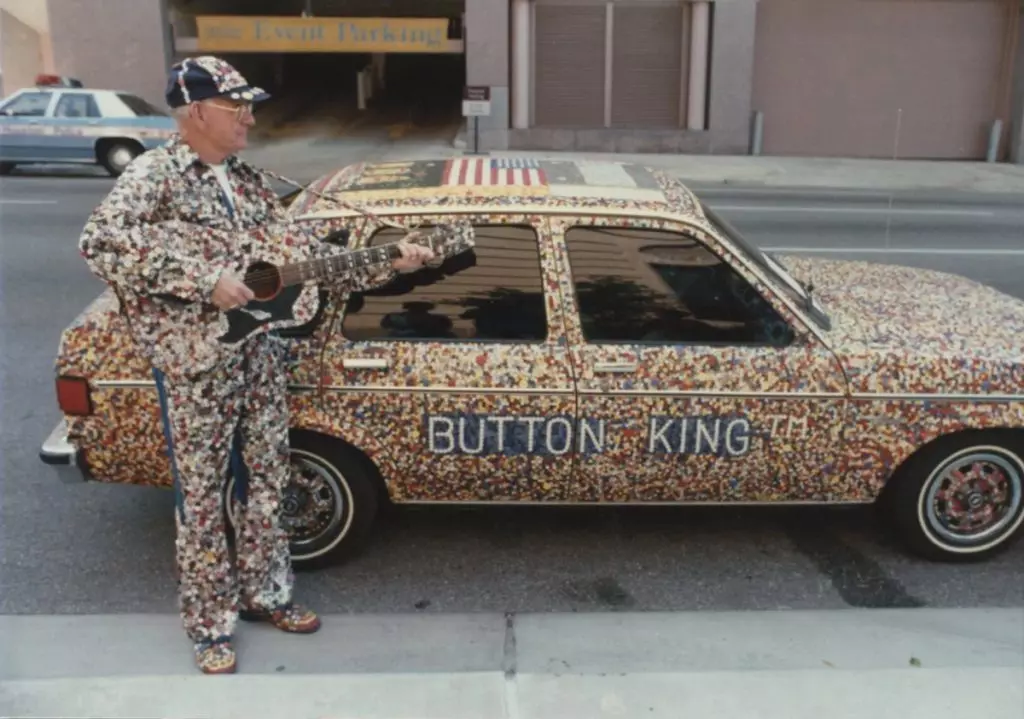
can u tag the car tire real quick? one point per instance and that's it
(330, 505)
(6, 168)
(960, 499)
(116, 155)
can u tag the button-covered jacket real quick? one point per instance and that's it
(164, 235)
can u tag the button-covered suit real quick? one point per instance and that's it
(231, 414)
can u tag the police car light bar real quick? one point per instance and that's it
(46, 80)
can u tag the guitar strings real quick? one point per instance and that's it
(260, 275)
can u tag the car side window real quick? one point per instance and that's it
(31, 104)
(640, 285)
(76, 105)
(139, 106)
(493, 292)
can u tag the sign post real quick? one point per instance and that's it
(476, 103)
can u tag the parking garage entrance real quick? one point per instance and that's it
(347, 76)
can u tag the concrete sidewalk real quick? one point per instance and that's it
(844, 664)
(305, 159)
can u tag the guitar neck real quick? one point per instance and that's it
(323, 268)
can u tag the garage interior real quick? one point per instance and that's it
(403, 94)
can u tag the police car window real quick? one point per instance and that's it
(663, 287)
(31, 104)
(76, 105)
(139, 106)
(491, 293)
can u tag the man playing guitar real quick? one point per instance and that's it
(168, 238)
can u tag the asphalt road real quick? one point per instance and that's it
(108, 549)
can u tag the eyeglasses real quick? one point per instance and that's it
(242, 112)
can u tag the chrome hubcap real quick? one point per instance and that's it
(974, 497)
(310, 505)
(121, 157)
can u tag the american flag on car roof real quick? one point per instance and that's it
(481, 171)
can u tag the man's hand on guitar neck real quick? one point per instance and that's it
(413, 256)
(230, 292)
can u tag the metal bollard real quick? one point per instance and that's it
(994, 136)
(758, 133)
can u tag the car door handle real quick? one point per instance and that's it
(616, 367)
(366, 363)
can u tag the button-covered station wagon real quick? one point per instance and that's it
(608, 339)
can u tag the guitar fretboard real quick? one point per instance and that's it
(323, 268)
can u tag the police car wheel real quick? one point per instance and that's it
(329, 505)
(116, 155)
(960, 499)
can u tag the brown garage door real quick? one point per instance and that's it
(881, 78)
(647, 65)
(569, 67)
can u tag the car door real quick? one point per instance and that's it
(461, 372)
(23, 130)
(698, 382)
(76, 119)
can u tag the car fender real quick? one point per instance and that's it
(884, 433)
(306, 415)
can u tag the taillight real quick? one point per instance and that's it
(73, 395)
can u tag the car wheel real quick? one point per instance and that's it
(115, 156)
(6, 168)
(329, 504)
(961, 499)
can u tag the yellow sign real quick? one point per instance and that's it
(251, 33)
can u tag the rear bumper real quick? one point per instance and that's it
(63, 457)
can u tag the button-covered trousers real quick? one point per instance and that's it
(234, 419)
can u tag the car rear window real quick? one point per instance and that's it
(140, 107)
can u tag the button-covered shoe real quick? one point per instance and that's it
(216, 656)
(292, 618)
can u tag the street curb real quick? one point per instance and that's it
(992, 693)
(772, 664)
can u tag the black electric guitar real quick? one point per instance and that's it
(278, 288)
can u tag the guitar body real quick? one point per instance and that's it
(257, 314)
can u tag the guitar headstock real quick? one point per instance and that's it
(446, 240)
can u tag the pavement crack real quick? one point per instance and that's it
(508, 665)
(508, 657)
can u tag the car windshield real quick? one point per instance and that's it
(770, 265)
(140, 107)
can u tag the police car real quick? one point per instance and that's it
(609, 339)
(61, 122)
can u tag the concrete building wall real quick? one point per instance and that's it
(33, 13)
(917, 80)
(1015, 127)
(487, 63)
(21, 54)
(127, 44)
(25, 46)
(118, 44)
(731, 82)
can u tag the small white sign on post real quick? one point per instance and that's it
(476, 103)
